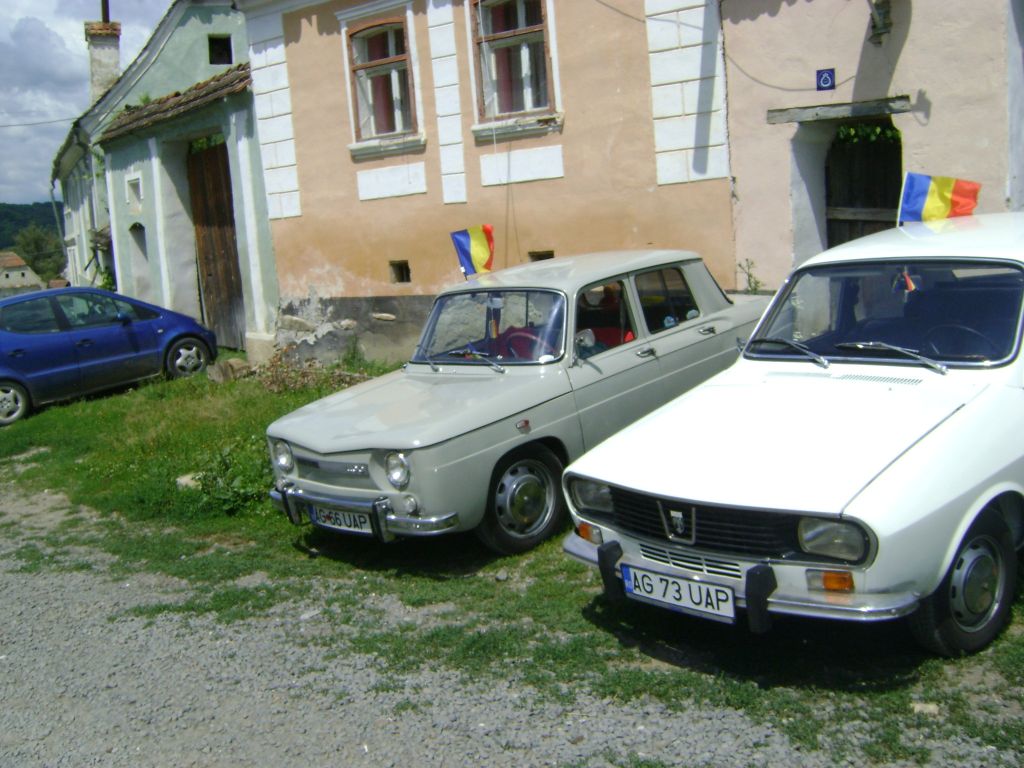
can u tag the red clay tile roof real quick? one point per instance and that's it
(11, 260)
(231, 81)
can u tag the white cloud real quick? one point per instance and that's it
(45, 80)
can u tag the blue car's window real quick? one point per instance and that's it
(84, 310)
(35, 316)
(134, 312)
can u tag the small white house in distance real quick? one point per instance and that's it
(16, 276)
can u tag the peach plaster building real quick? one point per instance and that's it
(580, 125)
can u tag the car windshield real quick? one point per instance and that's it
(935, 313)
(494, 326)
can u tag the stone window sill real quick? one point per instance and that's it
(534, 125)
(386, 147)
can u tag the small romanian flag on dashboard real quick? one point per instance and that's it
(928, 198)
(475, 249)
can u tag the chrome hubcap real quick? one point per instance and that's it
(975, 588)
(523, 498)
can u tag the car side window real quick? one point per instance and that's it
(134, 312)
(85, 311)
(603, 309)
(665, 299)
(33, 316)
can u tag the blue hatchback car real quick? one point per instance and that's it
(68, 342)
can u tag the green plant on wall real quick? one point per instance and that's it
(746, 269)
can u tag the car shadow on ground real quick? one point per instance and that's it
(802, 653)
(439, 557)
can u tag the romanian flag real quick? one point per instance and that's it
(475, 248)
(927, 198)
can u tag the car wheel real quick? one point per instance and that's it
(525, 505)
(14, 402)
(186, 357)
(972, 603)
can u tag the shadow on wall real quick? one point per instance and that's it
(748, 11)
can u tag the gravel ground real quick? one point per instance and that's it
(84, 684)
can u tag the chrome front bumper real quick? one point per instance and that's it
(757, 591)
(387, 524)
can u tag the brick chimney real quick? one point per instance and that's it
(104, 39)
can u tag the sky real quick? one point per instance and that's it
(44, 81)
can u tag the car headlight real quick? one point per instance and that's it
(590, 495)
(397, 467)
(281, 455)
(832, 538)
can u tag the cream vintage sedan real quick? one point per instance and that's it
(517, 373)
(862, 461)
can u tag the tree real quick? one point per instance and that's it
(41, 249)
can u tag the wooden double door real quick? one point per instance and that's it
(213, 215)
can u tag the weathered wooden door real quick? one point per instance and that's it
(863, 180)
(220, 281)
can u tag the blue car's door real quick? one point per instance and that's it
(35, 350)
(114, 346)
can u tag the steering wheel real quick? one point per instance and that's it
(545, 348)
(959, 340)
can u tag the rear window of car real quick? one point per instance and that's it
(33, 316)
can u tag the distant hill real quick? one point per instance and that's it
(15, 217)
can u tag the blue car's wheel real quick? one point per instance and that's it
(186, 357)
(14, 402)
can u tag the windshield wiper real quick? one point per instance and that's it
(802, 348)
(467, 352)
(913, 354)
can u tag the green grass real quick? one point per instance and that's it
(538, 618)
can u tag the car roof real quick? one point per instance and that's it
(569, 273)
(57, 292)
(990, 235)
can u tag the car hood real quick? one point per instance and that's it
(411, 409)
(792, 441)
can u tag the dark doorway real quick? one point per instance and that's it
(863, 177)
(220, 282)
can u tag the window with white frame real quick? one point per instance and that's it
(381, 80)
(512, 51)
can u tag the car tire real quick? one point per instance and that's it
(524, 504)
(186, 357)
(14, 402)
(972, 604)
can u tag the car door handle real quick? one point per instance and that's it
(707, 330)
(84, 343)
(645, 352)
(16, 353)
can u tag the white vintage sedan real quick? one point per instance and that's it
(517, 373)
(862, 460)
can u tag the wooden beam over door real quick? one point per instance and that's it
(877, 108)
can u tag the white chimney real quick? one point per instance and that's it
(104, 38)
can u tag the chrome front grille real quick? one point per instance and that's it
(345, 474)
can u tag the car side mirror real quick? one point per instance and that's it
(123, 318)
(583, 341)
